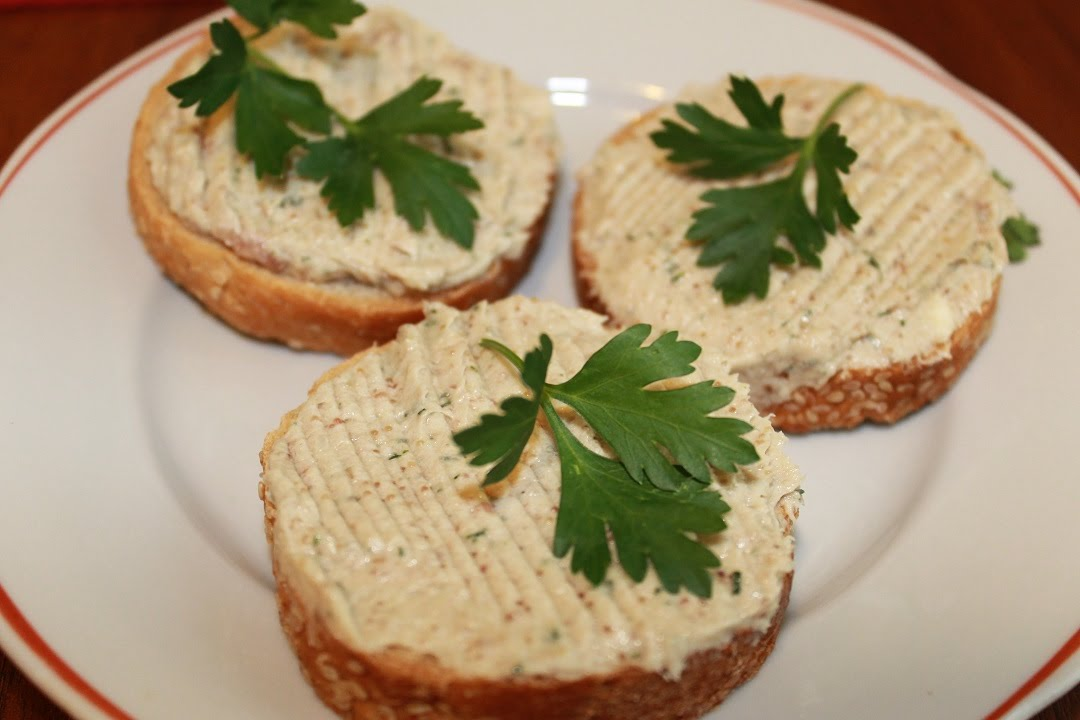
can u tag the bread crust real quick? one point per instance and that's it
(885, 395)
(269, 306)
(851, 396)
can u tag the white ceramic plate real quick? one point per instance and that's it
(936, 564)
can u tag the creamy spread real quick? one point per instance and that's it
(383, 533)
(925, 254)
(286, 226)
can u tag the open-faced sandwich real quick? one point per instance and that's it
(841, 247)
(595, 575)
(314, 181)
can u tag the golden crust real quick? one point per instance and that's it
(850, 397)
(263, 304)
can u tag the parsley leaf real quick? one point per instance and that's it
(503, 437)
(609, 393)
(833, 156)
(273, 107)
(647, 503)
(407, 114)
(647, 524)
(1020, 234)
(216, 81)
(422, 182)
(318, 16)
(721, 150)
(740, 226)
(267, 100)
(347, 167)
(426, 183)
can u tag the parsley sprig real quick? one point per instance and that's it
(273, 109)
(657, 491)
(739, 227)
(1020, 234)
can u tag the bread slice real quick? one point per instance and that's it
(900, 304)
(407, 592)
(269, 258)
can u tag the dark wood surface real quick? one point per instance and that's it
(1024, 54)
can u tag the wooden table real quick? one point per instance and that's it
(1024, 54)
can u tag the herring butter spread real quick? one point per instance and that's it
(926, 253)
(382, 532)
(285, 225)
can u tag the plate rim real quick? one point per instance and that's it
(32, 654)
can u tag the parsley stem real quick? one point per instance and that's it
(806, 155)
(839, 100)
(262, 58)
(504, 351)
(350, 127)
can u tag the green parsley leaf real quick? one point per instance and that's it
(503, 437)
(348, 170)
(649, 521)
(720, 150)
(259, 13)
(426, 183)
(423, 183)
(751, 103)
(609, 393)
(216, 81)
(1020, 234)
(833, 156)
(318, 16)
(740, 226)
(647, 524)
(407, 114)
(267, 100)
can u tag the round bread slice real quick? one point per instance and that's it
(900, 304)
(408, 592)
(269, 258)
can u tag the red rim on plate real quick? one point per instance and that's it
(877, 37)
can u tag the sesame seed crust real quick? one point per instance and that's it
(884, 395)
